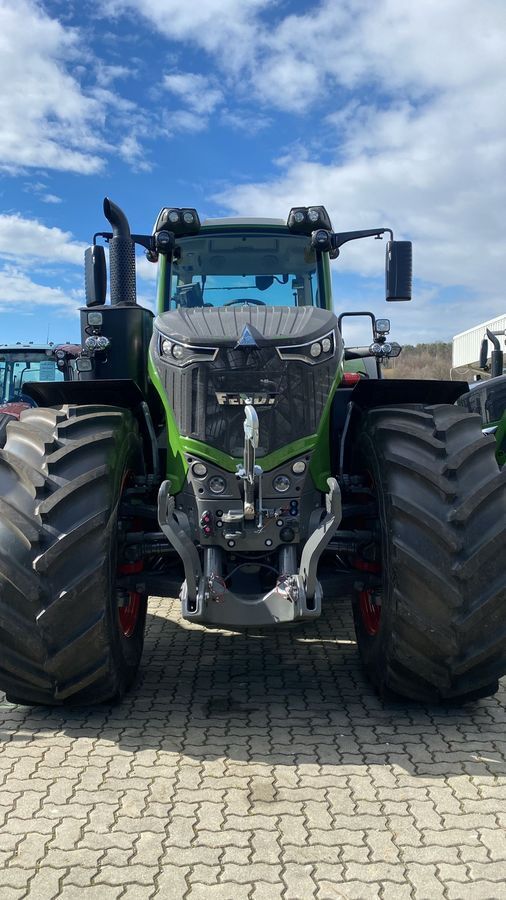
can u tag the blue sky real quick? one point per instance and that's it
(389, 113)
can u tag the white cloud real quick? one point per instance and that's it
(27, 239)
(225, 27)
(47, 120)
(18, 292)
(41, 192)
(416, 141)
(196, 91)
(184, 120)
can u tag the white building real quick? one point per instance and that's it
(466, 345)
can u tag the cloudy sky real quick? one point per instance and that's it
(390, 113)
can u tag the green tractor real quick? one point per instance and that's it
(487, 397)
(224, 447)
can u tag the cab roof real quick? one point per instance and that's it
(239, 220)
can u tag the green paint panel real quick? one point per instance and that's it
(176, 462)
(500, 437)
(161, 284)
(229, 463)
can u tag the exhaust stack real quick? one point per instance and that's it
(121, 257)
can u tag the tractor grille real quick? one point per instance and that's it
(289, 397)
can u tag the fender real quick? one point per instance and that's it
(121, 392)
(370, 393)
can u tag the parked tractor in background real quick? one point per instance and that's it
(22, 364)
(222, 444)
(488, 397)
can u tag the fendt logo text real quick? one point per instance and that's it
(260, 399)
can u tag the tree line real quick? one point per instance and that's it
(421, 361)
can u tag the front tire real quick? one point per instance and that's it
(5, 418)
(430, 619)
(62, 638)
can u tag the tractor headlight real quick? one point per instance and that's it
(103, 342)
(183, 354)
(217, 484)
(178, 221)
(312, 352)
(322, 240)
(299, 467)
(380, 349)
(91, 343)
(382, 326)
(304, 219)
(199, 470)
(281, 483)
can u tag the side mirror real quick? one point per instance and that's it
(398, 270)
(484, 354)
(95, 275)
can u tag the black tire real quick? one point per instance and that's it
(434, 628)
(62, 472)
(5, 418)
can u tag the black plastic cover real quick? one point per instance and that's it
(95, 275)
(399, 270)
(114, 392)
(389, 391)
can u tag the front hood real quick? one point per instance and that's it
(224, 326)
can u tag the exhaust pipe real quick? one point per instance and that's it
(121, 256)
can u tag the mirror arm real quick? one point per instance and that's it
(145, 240)
(340, 238)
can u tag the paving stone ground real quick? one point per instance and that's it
(253, 767)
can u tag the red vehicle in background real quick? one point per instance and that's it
(21, 364)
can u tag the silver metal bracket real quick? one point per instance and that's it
(316, 543)
(176, 536)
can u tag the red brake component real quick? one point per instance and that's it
(370, 611)
(350, 378)
(129, 614)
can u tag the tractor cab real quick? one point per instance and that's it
(23, 364)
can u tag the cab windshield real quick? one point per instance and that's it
(245, 268)
(17, 370)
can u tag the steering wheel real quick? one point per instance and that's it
(245, 301)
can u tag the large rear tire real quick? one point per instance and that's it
(433, 627)
(63, 637)
(5, 418)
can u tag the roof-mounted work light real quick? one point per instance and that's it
(321, 240)
(306, 219)
(179, 221)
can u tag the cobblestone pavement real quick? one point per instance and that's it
(257, 766)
